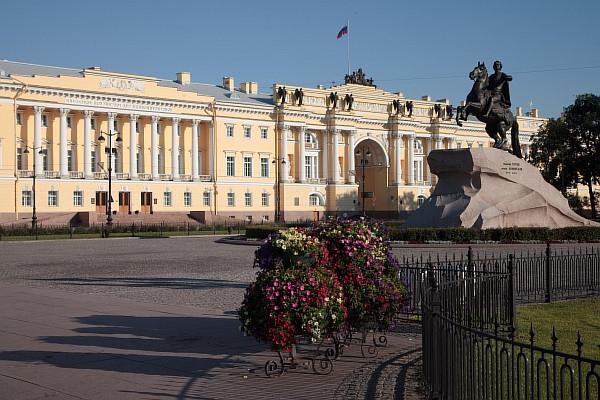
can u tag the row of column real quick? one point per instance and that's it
(133, 143)
(301, 153)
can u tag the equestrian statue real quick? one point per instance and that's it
(489, 102)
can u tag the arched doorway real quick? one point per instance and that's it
(371, 170)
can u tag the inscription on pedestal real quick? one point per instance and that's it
(511, 168)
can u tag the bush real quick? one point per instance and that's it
(261, 231)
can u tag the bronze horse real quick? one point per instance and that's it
(497, 121)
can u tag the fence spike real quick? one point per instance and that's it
(579, 343)
(554, 338)
(531, 333)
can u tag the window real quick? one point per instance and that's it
(26, 196)
(69, 122)
(469, 145)
(206, 199)
(418, 170)
(264, 199)
(44, 120)
(420, 200)
(115, 125)
(314, 200)
(44, 159)
(264, 167)
(296, 201)
(187, 199)
(247, 132)
(167, 199)
(138, 161)
(481, 145)
(69, 160)
(263, 133)
(265, 218)
(137, 126)
(93, 123)
(248, 199)
(20, 158)
(230, 165)
(458, 145)
(230, 199)
(247, 166)
(94, 166)
(78, 198)
(309, 167)
(229, 130)
(418, 146)
(19, 118)
(53, 198)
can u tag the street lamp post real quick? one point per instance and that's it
(363, 163)
(109, 150)
(39, 149)
(278, 188)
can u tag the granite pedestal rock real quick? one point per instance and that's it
(489, 188)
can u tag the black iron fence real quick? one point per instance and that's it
(461, 361)
(536, 276)
(467, 307)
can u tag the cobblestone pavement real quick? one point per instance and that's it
(155, 318)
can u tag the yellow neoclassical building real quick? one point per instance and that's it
(189, 150)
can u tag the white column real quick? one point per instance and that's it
(334, 155)
(451, 143)
(87, 143)
(195, 173)
(211, 150)
(301, 155)
(133, 172)
(411, 157)
(154, 147)
(284, 165)
(398, 153)
(175, 149)
(350, 155)
(111, 129)
(133, 146)
(37, 140)
(64, 170)
(325, 155)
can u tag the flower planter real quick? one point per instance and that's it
(318, 356)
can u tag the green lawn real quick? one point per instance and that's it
(567, 317)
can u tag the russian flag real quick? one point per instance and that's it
(342, 32)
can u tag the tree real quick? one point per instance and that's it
(567, 149)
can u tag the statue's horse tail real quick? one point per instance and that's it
(459, 111)
(514, 139)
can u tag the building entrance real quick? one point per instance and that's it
(146, 203)
(124, 202)
(101, 198)
(371, 172)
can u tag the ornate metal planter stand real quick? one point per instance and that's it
(317, 356)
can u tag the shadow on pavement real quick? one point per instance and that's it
(183, 348)
(168, 283)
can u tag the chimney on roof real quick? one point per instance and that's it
(426, 98)
(534, 113)
(249, 87)
(228, 83)
(185, 78)
(519, 111)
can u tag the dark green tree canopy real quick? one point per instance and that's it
(567, 149)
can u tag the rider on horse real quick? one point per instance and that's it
(498, 89)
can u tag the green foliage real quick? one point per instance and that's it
(463, 235)
(567, 150)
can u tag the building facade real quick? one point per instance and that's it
(182, 149)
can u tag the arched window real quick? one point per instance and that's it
(420, 200)
(418, 146)
(315, 200)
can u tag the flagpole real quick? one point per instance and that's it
(348, 25)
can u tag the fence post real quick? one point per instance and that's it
(188, 228)
(548, 298)
(511, 292)
(70, 230)
(437, 369)
(470, 258)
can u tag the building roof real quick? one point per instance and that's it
(25, 69)
(219, 93)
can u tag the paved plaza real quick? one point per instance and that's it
(156, 319)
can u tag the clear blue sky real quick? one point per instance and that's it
(416, 47)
